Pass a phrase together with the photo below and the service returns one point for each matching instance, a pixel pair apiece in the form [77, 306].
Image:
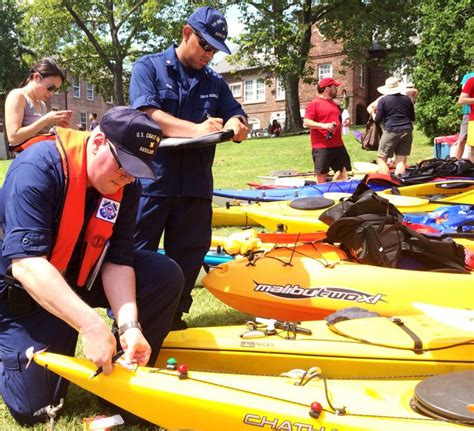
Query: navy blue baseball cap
[211, 25]
[135, 137]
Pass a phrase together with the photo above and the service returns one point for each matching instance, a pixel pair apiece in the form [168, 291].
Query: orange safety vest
[71, 145]
[33, 140]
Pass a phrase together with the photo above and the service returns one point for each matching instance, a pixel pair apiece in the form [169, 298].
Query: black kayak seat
[311, 203]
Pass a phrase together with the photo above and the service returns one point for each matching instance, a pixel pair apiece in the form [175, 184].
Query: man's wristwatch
[241, 118]
[129, 325]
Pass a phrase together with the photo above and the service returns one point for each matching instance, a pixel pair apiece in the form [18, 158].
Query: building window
[254, 90]
[83, 123]
[360, 75]
[280, 89]
[76, 88]
[255, 127]
[90, 91]
[324, 71]
[254, 123]
[110, 100]
[236, 90]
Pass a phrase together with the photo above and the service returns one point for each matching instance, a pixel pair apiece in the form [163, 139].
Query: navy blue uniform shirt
[30, 207]
[161, 81]
[396, 111]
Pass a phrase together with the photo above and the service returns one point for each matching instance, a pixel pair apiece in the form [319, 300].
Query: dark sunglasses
[114, 153]
[50, 88]
[203, 43]
[123, 173]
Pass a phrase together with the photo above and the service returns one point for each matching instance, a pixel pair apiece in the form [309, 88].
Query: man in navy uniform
[187, 99]
[68, 208]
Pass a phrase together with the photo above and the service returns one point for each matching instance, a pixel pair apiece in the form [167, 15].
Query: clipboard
[198, 142]
[98, 266]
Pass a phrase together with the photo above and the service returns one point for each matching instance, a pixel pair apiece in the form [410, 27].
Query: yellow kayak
[274, 215]
[310, 281]
[298, 401]
[233, 215]
[434, 189]
[364, 347]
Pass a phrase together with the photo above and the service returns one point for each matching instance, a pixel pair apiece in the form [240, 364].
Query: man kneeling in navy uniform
[68, 209]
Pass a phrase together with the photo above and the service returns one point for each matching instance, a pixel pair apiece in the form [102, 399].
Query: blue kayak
[446, 219]
[212, 258]
[221, 196]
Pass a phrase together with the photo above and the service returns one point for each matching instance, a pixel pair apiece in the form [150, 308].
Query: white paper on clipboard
[198, 142]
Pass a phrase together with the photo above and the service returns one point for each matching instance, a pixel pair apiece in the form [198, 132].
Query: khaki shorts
[463, 129]
[395, 142]
[470, 133]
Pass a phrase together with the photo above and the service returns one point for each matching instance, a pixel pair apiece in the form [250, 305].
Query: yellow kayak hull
[235, 215]
[217, 401]
[439, 189]
[308, 282]
[272, 214]
[367, 347]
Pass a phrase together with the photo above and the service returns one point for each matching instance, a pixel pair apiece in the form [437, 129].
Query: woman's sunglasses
[50, 88]
[203, 43]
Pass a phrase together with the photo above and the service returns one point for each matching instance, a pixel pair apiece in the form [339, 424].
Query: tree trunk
[293, 121]
[118, 83]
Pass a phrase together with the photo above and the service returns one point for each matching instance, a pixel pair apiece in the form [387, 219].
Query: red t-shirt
[469, 89]
[324, 111]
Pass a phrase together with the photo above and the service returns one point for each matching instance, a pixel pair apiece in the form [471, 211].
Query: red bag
[371, 138]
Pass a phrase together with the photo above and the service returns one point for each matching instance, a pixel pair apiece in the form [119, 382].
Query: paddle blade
[457, 318]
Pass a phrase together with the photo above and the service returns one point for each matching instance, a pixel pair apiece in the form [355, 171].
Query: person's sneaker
[178, 323]
[129, 418]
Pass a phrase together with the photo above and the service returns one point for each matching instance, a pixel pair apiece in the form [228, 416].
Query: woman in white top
[25, 109]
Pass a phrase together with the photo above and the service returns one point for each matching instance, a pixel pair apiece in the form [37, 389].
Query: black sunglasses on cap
[203, 43]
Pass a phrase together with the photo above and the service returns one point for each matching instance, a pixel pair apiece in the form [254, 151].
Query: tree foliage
[277, 36]
[100, 39]
[443, 56]
[11, 49]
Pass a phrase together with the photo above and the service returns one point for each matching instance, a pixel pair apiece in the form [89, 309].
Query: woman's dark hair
[47, 66]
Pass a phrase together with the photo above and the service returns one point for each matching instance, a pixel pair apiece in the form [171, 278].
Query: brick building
[263, 103]
[82, 99]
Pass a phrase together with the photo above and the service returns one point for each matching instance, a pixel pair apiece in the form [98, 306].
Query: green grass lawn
[235, 165]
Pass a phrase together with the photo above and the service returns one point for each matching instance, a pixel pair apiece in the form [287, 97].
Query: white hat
[392, 86]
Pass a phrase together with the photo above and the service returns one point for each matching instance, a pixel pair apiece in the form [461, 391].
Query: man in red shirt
[323, 118]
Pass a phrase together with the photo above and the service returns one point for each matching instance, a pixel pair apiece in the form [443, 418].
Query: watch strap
[242, 119]
[129, 325]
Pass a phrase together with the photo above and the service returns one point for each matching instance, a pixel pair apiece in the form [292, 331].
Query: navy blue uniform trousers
[159, 282]
[186, 223]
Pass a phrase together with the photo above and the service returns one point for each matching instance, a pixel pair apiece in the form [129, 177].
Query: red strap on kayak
[291, 238]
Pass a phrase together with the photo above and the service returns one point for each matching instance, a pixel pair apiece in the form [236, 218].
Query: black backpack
[428, 169]
[370, 229]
